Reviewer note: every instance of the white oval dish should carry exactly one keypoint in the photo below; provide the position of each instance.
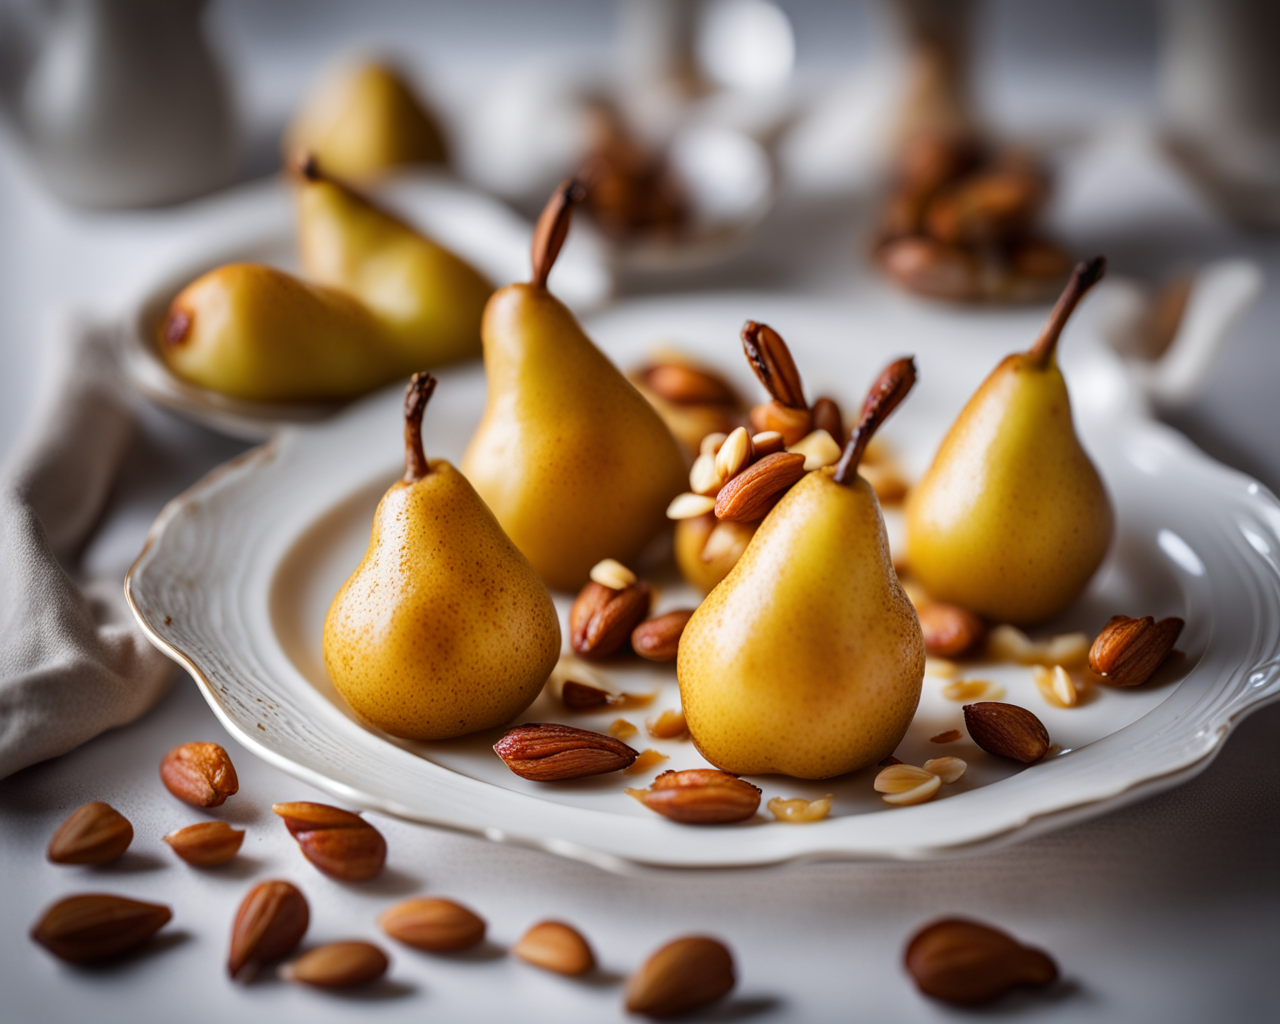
(237, 574)
(257, 224)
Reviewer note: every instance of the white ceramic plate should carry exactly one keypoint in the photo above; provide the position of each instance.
(238, 572)
(258, 224)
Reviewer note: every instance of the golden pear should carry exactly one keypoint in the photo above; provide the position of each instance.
(253, 332)
(428, 300)
(808, 659)
(444, 628)
(575, 464)
(1012, 519)
(364, 121)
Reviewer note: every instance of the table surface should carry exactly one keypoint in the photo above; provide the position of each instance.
(1163, 911)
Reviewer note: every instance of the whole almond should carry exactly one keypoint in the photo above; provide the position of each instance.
(792, 424)
(601, 619)
(689, 385)
(658, 639)
(967, 963)
(206, 844)
(826, 416)
(949, 631)
(750, 494)
(340, 843)
(93, 834)
(338, 965)
(681, 976)
(95, 926)
(700, 796)
(555, 946)
(436, 925)
(1128, 651)
(1007, 730)
(199, 773)
(551, 752)
(270, 923)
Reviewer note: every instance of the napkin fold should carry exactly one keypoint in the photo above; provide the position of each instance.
(73, 663)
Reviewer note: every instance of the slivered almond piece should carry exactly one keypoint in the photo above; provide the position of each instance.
(690, 505)
(818, 448)
(948, 769)
(93, 834)
(1008, 643)
(669, 725)
(950, 736)
(711, 443)
(900, 778)
(551, 752)
(734, 453)
(703, 476)
(1128, 651)
(799, 811)
(647, 759)
(1070, 650)
(920, 794)
(766, 443)
(1055, 686)
(973, 689)
(621, 729)
(611, 573)
(750, 494)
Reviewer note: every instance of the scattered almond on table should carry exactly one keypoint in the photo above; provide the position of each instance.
(206, 844)
(968, 963)
(339, 843)
(555, 946)
(433, 924)
(200, 774)
(681, 976)
(270, 923)
(93, 834)
(338, 965)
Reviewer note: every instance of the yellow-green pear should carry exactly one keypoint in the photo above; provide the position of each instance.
(429, 300)
(575, 464)
(1012, 519)
(807, 660)
(444, 628)
(364, 121)
(250, 331)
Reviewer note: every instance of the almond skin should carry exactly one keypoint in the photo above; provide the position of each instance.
(1007, 730)
(555, 946)
(689, 385)
(340, 843)
(658, 639)
(338, 965)
(200, 774)
(826, 416)
(967, 963)
(681, 976)
(94, 926)
(1128, 651)
(550, 752)
(792, 424)
(754, 491)
(601, 620)
(949, 631)
(700, 796)
(436, 925)
(93, 834)
(206, 844)
(270, 923)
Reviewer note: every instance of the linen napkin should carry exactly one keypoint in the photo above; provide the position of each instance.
(73, 663)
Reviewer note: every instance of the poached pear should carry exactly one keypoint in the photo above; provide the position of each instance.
(808, 658)
(575, 464)
(250, 331)
(364, 121)
(444, 628)
(428, 300)
(1012, 519)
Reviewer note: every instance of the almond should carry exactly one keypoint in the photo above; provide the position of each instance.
(206, 844)
(799, 811)
(948, 769)
(555, 946)
(818, 449)
(95, 926)
(710, 444)
(601, 619)
(750, 494)
(658, 639)
(690, 505)
(704, 478)
(771, 361)
(550, 752)
(792, 424)
(1128, 651)
(338, 965)
(199, 773)
(950, 736)
(436, 925)
(949, 631)
(826, 416)
(611, 573)
(1007, 730)
(340, 843)
(94, 834)
(735, 453)
(689, 385)
(905, 785)
(967, 963)
(766, 443)
(681, 976)
(669, 725)
(269, 925)
(700, 796)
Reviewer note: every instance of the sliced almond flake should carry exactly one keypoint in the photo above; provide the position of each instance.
(948, 769)
(918, 795)
(973, 689)
(611, 573)
(690, 505)
(799, 811)
(703, 478)
(818, 448)
(898, 778)
(711, 443)
(643, 763)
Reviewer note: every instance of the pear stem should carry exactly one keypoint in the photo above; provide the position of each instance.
(1083, 277)
(890, 388)
(553, 226)
(416, 396)
(770, 359)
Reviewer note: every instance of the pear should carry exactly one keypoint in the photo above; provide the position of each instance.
(575, 464)
(429, 300)
(1012, 519)
(253, 332)
(444, 628)
(363, 122)
(808, 658)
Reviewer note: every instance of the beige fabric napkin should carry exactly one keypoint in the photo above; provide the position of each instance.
(73, 662)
